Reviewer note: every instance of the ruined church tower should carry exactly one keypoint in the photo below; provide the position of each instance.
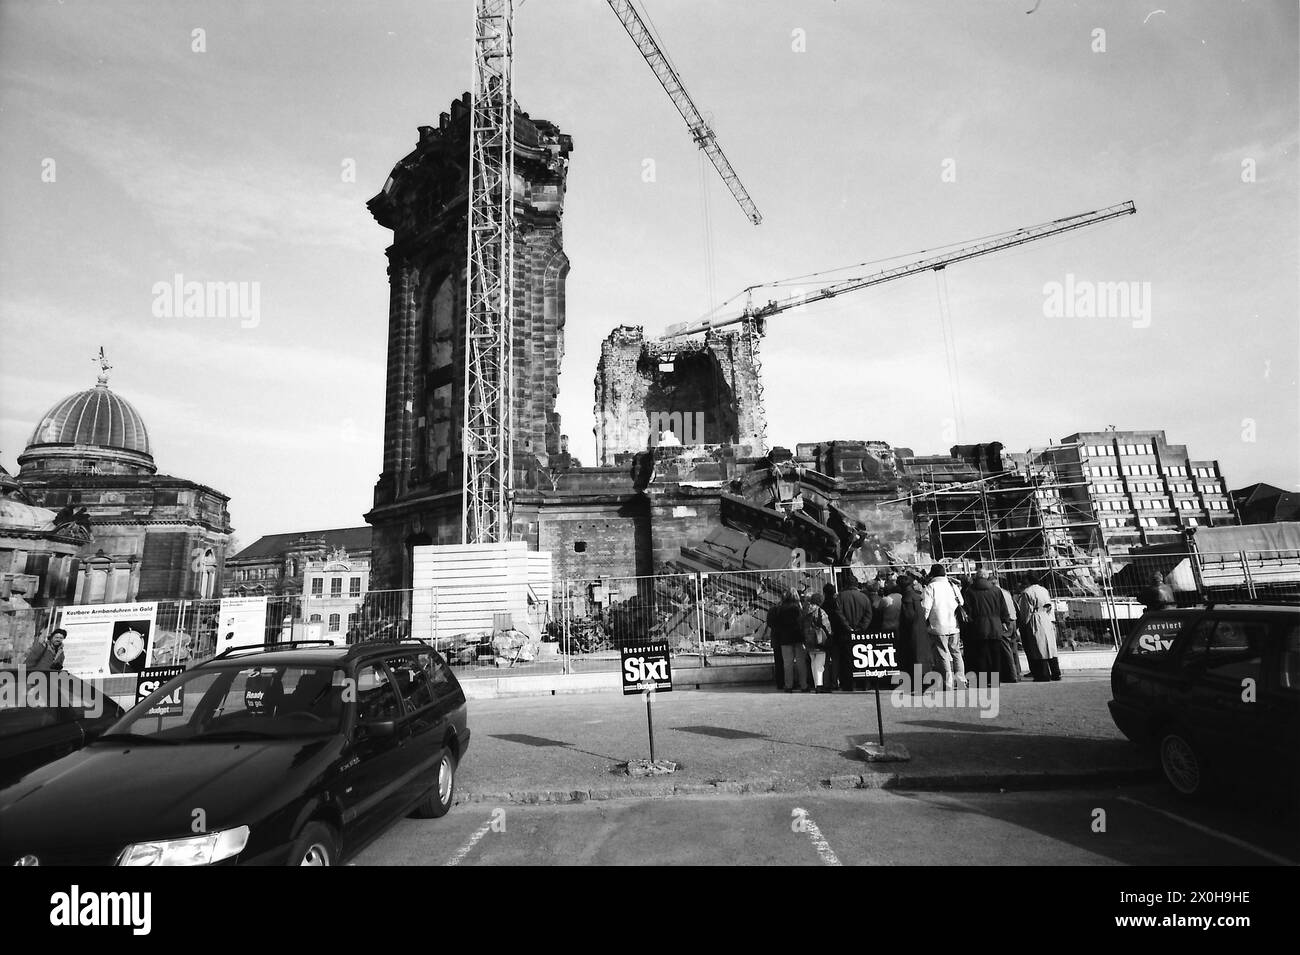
(418, 494)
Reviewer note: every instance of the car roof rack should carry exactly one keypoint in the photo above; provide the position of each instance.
(286, 645)
(380, 644)
(1284, 600)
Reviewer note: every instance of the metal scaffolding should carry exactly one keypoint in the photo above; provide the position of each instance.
(486, 442)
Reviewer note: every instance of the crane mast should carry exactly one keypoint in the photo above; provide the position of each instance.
(998, 243)
(700, 130)
(487, 438)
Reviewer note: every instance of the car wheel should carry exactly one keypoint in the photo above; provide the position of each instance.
(436, 804)
(316, 845)
(1183, 766)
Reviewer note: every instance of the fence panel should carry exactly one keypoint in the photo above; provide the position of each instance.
(705, 616)
(736, 604)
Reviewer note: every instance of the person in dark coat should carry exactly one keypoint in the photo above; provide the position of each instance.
(873, 595)
(988, 616)
(912, 631)
(1158, 596)
(46, 654)
(855, 608)
(1009, 656)
(888, 610)
(787, 632)
(778, 668)
(838, 650)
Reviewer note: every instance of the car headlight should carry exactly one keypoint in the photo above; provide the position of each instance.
(195, 850)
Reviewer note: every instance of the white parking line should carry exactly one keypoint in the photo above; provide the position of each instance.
(1233, 840)
(465, 850)
(824, 850)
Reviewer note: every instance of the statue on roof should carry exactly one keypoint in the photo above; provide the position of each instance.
(104, 366)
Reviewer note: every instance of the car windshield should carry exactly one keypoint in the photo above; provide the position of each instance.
(215, 704)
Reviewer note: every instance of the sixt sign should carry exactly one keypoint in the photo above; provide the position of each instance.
(646, 666)
(873, 654)
(148, 683)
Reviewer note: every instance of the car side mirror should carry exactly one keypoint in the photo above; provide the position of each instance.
(380, 729)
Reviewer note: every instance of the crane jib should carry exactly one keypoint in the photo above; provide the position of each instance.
(935, 263)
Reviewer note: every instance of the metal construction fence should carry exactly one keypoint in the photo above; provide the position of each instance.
(706, 617)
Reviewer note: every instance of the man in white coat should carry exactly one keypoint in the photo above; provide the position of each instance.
(1036, 615)
(939, 603)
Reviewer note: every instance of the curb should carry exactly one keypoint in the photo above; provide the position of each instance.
(956, 782)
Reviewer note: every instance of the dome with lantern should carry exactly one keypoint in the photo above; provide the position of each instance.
(91, 431)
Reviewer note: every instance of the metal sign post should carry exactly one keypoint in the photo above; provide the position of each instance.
(874, 657)
(880, 719)
(650, 720)
(647, 670)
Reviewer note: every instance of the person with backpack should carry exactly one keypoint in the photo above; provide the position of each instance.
(942, 605)
(817, 635)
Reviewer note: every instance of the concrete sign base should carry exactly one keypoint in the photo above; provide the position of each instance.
(889, 753)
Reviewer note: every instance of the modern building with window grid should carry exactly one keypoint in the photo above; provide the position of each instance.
(1141, 489)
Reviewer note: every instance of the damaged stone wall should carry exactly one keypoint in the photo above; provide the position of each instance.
(706, 391)
(417, 496)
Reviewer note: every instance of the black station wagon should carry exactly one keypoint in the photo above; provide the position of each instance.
(1215, 691)
(295, 754)
(47, 714)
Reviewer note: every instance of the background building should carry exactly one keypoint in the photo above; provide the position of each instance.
(1140, 489)
(334, 589)
(154, 536)
(981, 503)
(38, 557)
(279, 563)
(418, 495)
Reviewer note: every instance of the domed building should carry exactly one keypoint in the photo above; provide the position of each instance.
(155, 536)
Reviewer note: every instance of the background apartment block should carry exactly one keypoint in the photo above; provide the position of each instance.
(1141, 489)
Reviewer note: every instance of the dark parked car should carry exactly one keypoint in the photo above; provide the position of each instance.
(1216, 692)
(47, 714)
(294, 755)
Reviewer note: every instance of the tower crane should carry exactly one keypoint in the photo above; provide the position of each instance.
(700, 130)
(757, 315)
(487, 436)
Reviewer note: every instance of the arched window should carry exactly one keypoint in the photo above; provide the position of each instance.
(334, 622)
(315, 618)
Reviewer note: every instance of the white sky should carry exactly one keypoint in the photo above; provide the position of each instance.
(226, 166)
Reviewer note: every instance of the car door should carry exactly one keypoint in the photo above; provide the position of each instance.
(449, 698)
(373, 767)
(423, 725)
(93, 709)
(1279, 700)
(31, 736)
(1222, 668)
(1145, 678)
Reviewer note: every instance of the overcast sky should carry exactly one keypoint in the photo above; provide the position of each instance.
(841, 118)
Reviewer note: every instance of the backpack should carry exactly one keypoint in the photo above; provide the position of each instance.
(963, 618)
(811, 627)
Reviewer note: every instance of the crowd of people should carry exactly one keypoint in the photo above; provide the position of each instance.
(937, 624)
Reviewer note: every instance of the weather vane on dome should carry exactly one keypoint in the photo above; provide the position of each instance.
(104, 366)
